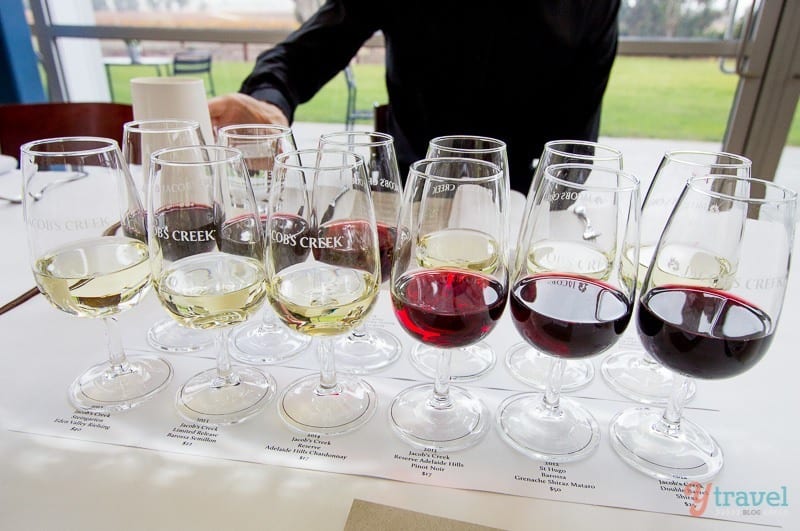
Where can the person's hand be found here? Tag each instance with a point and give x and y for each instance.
(237, 108)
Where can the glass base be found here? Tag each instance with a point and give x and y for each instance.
(102, 388)
(641, 439)
(256, 344)
(416, 419)
(169, 336)
(366, 351)
(308, 408)
(531, 367)
(563, 434)
(208, 398)
(635, 375)
(466, 363)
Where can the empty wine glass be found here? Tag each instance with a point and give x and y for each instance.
(207, 257)
(333, 288)
(571, 297)
(448, 304)
(523, 361)
(140, 138)
(266, 341)
(632, 372)
(708, 308)
(368, 349)
(85, 229)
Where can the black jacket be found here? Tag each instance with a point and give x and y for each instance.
(523, 72)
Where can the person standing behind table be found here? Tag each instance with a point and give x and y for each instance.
(522, 72)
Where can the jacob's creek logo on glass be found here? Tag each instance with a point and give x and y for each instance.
(711, 500)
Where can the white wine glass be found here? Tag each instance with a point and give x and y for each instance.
(140, 138)
(468, 362)
(333, 289)
(571, 298)
(523, 361)
(207, 257)
(368, 348)
(266, 341)
(632, 372)
(448, 304)
(707, 322)
(86, 242)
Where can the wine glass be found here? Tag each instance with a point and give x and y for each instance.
(85, 229)
(571, 297)
(368, 349)
(708, 308)
(331, 290)
(207, 257)
(523, 361)
(451, 304)
(633, 373)
(266, 341)
(140, 138)
(468, 362)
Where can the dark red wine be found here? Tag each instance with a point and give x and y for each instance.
(291, 232)
(187, 230)
(386, 238)
(346, 243)
(701, 332)
(448, 308)
(569, 316)
(237, 237)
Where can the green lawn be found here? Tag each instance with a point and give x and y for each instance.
(685, 99)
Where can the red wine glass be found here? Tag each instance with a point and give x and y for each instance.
(449, 288)
(571, 298)
(333, 288)
(632, 372)
(369, 348)
(265, 341)
(708, 308)
(522, 360)
(140, 138)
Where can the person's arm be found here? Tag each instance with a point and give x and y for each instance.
(293, 71)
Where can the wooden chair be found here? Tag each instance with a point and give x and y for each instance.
(23, 122)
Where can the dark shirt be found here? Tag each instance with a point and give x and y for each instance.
(522, 72)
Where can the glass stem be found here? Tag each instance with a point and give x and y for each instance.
(116, 352)
(225, 373)
(552, 390)
(327, 374)
(269, 322)
(441, 382)
(671, 419)
(358, 333)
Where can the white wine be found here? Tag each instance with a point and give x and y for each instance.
(568, 257)
(464, 248)
(96, 277)
(323, 300)
(210, 290)
(690, 266)
(645, 256)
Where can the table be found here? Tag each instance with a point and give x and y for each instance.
(62, 483)
(160, 64)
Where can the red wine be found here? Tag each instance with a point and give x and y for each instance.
(448, 308)
(386, 239)
(569, 316)
(290, 231)
(701, 332)
(186, 230)
(347, 243)
(237, 238)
